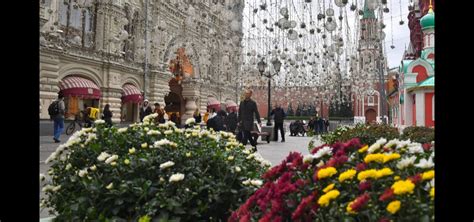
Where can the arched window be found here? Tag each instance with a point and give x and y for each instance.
(77, 22)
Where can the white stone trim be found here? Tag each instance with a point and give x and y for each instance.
(420, 108)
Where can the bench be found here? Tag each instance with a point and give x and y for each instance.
(256, 132)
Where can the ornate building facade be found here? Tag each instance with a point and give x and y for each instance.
(177, 53)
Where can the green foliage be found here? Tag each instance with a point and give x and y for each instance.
(419, 134)
(133, 186)
(367, 133)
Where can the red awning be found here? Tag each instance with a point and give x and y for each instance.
(213, 103)
(130, 93)
(80, 87)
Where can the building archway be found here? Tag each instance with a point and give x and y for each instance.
(174, 101)
(370, 115)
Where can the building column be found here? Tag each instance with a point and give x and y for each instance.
(190, 95)
(408, 107)
(113, 97)
(49, 78)
(159, 86)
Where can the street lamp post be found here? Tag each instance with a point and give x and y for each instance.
(261, 68)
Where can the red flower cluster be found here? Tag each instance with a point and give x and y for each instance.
(387, 194)
(294, 161)
(307, 201)
(416, 179)
(426, 146)
(360, 202)
(363, 186)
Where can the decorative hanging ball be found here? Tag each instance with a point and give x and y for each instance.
(320, 16)
(311, 31)
(307, 1)
(318, 30)
(303, 25)
(300, 35)
(263, 7)
(253, 25)
(361, 12)
(392, 46)
(384, 2)
(324, 36)
(265, 21)
(353, 7)
(401, 22)
(340, 17)
(329, 19)
(386, 10)
(255, 10)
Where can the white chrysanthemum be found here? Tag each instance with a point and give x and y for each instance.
(56, 188)
(176, 177)
(110, 186)
(146, 129)
(351, 157)
(122, 130)
(166, 165)
(93, 168)
(237, 169)
(50, 158)
(406, 162)
(320, 163)
(415, 148)
(177, 130)
(90, 137)
(425, 164)
(47, 188)
(82, 173)
(403, 143)
(429, 185)
(230, 158)
(168, 132)
(171, 124)
(153, 132)
(111, 159)
(204, 133)
(164, 142)
(68, 166)
(246, 182)
(256, 182)
(144, 145)
(381, 141)
(132, 150)
(250, 156)
(102, 156)
(322, 152)
(308, 158)
(374, 147)
(190, 121)
(392, 143)
(188, 154)
(246, 151)
(99, 121)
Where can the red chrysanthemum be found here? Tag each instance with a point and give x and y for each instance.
(360, 202)
(415, 179)
(302, 207)
(387, 195)
(365, 185)
(361, 166)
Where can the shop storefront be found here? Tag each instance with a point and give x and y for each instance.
(78, 91)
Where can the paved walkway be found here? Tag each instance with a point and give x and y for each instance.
(274, 152)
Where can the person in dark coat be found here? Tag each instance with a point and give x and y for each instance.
(145, 110)
(326, 122)
(279, 117)
(197, 116)
(248, 108)
(107, 115)
(321, 125)
(231, 121)
(217, 122)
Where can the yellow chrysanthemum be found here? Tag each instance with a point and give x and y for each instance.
(326, 172)
(348, 174)
(396, 178)
(377, 157)
(428, 175)
(363, 149)
(384, 172)
(393, 206)
(328, 188)
(388, 157)
(326, 198)
(402, 187)
(432, 193)
(367, 174)
(349, 208)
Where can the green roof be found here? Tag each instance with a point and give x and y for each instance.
(404, 66)
(427, 82)
(427, 21)
(367, 12)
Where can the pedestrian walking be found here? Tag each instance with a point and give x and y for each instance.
(247, 110)
(231, 121)
(278, 117)
(145, 110)
(107, 115)
(56, 111)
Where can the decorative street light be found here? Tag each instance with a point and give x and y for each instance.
(261, 68)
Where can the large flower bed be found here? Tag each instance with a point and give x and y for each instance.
(146, 172)
(389, 180)
(367, 133)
